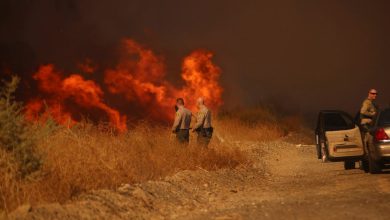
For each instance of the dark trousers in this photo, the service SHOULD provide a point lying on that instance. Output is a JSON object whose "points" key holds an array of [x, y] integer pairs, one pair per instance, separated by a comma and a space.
{"points": [[204, 136], [203, 141], [183, 136]]}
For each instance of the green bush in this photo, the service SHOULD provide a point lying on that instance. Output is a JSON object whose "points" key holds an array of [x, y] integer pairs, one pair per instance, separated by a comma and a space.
{"points": [[16, 134]]}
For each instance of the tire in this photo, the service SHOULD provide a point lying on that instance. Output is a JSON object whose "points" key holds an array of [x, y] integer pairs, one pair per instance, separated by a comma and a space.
{"points": [[374, 166], [349, 165]]}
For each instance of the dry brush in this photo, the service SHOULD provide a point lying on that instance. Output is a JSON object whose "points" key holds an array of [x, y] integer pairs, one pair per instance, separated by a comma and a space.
{"points": [[88, 157]]}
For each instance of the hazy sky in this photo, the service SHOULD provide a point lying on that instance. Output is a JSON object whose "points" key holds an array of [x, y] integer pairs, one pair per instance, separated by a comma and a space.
{"points": [[304, 54]]}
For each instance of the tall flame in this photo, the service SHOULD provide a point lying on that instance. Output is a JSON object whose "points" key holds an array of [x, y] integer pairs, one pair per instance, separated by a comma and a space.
{"points": [[85, 93], [201, 78], [138, 77]]}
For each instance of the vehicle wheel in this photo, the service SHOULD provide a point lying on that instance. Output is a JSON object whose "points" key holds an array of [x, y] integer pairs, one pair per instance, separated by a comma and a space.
{"points": [[364, 165], [374, 166], [348, 165]]}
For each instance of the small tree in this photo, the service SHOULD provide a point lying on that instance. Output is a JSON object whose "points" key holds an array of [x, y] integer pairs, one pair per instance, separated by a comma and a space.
{"points": [[15, 132]]}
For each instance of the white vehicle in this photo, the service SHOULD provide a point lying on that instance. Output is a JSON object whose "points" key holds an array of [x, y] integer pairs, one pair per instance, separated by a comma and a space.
{"points": [[338, 138]]}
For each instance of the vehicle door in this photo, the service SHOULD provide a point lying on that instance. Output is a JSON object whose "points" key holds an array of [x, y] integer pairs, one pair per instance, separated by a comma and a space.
{"points": [[342, 136]]}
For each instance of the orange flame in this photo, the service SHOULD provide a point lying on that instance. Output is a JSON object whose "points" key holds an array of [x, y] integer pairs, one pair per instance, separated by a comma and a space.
{"points": [[35, 110], [201, 78], [139, 77], [85, 93]]}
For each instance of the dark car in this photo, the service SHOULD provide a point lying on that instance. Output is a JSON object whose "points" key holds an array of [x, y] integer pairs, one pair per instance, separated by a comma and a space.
{"points": [[338, 138], [377, 142]]}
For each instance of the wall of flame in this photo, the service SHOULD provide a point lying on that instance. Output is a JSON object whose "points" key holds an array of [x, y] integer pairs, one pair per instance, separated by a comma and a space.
{"points": [[138, 79]]}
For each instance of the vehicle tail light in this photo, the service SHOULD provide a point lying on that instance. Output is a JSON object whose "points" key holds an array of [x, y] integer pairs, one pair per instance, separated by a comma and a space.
{"points": [[380, 135]]}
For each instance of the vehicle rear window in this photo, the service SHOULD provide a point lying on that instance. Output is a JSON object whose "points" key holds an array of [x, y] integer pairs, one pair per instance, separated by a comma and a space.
{"points": [[384, 118], [337, 121]]}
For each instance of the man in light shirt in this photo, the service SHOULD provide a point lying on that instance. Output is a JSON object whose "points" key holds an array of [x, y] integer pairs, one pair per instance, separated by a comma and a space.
{"points": [[181, 125], [203, 124]]}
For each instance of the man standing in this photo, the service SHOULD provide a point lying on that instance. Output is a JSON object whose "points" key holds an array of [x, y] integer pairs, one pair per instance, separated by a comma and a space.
{"points": [[368, 112], [369, 109], [182, 122], [203, 124]]}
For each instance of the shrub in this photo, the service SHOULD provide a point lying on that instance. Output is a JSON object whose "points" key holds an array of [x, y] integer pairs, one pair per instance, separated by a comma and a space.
{"points": [[16, 135]]}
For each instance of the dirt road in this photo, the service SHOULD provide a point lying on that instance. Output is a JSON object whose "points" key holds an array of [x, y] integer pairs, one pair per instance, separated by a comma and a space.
{"points": [[286, 181]]}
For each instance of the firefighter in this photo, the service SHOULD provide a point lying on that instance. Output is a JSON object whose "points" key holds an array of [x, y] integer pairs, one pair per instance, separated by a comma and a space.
{"points": [[369, 110], [182, 122], [203, 124]]}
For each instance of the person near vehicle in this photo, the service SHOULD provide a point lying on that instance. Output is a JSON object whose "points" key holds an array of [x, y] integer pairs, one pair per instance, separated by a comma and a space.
{"points": [[369, 109], [181, 124], [368, 112], [203, 124]]}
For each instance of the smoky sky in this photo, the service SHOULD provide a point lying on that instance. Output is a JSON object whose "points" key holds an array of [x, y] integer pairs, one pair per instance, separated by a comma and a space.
{"points": [[304, 55]]}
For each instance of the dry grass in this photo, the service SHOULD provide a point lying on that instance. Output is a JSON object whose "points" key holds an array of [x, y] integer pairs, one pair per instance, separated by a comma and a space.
{"points": [[233, 130], [88, 157], [260, 123], [85, 158]]}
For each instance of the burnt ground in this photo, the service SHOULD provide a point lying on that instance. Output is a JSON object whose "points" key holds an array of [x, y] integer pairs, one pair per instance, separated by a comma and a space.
{"points": [[285, 181]]}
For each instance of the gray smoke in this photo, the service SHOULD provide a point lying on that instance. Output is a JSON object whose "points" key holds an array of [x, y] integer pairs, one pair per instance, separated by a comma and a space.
{"points": [[304, 55]]}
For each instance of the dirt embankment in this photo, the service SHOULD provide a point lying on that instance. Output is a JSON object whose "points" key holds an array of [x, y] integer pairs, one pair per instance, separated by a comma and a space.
{"points": [[285, 181]]}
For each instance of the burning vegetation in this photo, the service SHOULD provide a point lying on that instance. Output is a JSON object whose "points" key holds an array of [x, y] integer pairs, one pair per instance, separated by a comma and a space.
{"points": [[52, 154], [46, 162], [138, 79]]}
